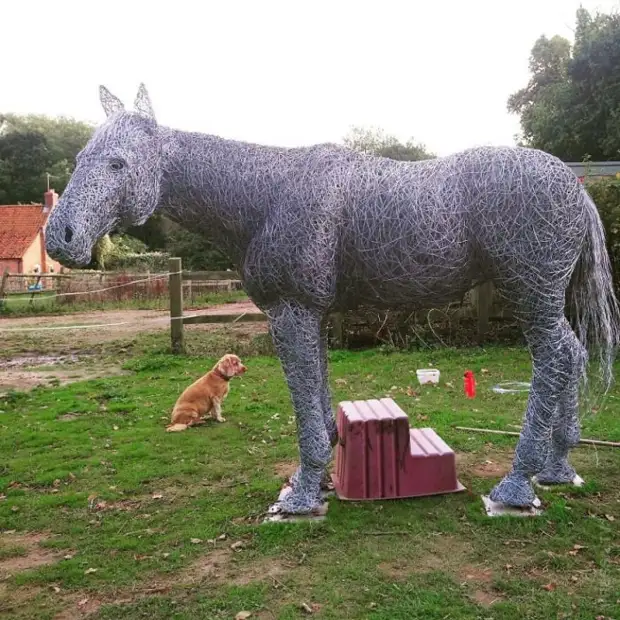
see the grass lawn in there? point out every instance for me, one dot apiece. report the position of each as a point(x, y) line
point(115, 519)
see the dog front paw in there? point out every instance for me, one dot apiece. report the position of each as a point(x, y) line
point(173, 428)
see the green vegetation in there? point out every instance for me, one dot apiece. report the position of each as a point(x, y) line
point(133, 522)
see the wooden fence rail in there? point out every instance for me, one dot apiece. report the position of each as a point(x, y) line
point(482, 298)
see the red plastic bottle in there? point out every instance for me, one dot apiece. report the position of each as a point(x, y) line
point(470, 384)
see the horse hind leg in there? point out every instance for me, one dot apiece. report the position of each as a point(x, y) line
point(566, 430)
point(551, 344)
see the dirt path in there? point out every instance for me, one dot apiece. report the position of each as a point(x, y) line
point(110, 324)
point(31, 357)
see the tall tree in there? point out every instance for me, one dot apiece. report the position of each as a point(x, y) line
point(33, 146)
point(571, 105)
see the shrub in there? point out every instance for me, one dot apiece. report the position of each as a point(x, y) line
point(606, 195)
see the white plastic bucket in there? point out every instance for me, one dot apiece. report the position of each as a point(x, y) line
point(428, 375)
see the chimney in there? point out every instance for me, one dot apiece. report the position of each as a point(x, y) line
point(51, 198)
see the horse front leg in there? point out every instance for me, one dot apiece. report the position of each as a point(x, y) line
point(296, 333)
point(328, 414)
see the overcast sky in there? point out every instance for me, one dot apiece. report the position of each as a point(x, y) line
point(285, 72)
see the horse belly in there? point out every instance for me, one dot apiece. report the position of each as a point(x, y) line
point(410, 277)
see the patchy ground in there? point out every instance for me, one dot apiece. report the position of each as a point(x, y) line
point(112, 518)
point(111, 324)
point(58, 356)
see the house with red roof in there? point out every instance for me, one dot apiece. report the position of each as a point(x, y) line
point(22, 237)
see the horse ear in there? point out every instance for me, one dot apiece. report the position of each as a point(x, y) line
point(143, 104)
point(110, 103)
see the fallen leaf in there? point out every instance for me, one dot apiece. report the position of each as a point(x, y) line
point(82, 602)
point(610, 517)
point(56, 483)
point(222, 537)
point(306, 608)
point(165, 555)
point(15, 508)
point(157, 496)
point(243, 615)
point(411, 392)
point(449, 385)
point(236, 546)
point(68, 556)
point(71, 476)
point(195, 541)
point(340, 382)
point(484, 371)
point(550, 587)
point(90, 571)
point(56, 589)
point(579, 547)
point(421, 417)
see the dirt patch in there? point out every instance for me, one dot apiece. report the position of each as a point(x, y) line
point(227, 566)
point(440, 553)
point(221, 564)
point(11, 599)
point(495, 466)
point(79, 607)
point(476, 573)
point(105, 327)
point(38, 360)
point(286, 469)
point(480, 578)
point(446, 554)
point(486, 599)
point(20, 379)
point(35, 555)
point(485, 463)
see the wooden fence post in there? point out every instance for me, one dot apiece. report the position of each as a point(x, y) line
point(338, 337)
point(484, 301)
point(3, 283)
point(175, 288)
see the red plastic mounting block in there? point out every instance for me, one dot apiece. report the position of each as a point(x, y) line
point(379, 457)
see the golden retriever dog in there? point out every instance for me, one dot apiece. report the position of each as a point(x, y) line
point(205, 396)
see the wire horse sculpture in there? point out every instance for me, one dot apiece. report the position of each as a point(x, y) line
point(322, 228)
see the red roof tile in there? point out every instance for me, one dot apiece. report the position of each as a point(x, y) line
point(19, 226)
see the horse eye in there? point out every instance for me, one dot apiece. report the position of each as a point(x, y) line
point(116, 165)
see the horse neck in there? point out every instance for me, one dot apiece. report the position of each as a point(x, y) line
point(218, 188)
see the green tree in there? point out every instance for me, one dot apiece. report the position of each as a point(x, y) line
point(22, 156)
point(33, 146)
point(376, 141)
point(571, 105)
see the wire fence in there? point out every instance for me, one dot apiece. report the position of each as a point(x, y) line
point(92, 288)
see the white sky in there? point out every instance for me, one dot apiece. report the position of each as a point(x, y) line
point(285, 72)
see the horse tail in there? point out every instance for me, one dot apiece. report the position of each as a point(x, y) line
point(595, 309)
